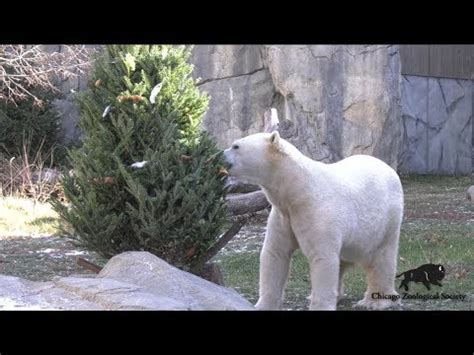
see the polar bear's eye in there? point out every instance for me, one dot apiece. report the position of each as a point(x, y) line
point(235, 146)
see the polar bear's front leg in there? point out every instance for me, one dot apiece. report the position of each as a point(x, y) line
point(320, 242)
point(275, 257)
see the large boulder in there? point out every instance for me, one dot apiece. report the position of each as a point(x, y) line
point(129, 281)
point(158, 277)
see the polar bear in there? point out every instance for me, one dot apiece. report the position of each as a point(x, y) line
point(339, 214)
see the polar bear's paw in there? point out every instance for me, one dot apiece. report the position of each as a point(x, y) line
point(377, 305)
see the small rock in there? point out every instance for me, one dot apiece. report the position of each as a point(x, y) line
point(470, 193)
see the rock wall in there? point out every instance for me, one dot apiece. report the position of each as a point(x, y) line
point(437, 118)
point(333, 100)
point(66, 106)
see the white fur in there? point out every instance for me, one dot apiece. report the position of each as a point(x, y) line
point(338, 214)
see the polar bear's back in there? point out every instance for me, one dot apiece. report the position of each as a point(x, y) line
point(369, 193)
point(368, 177)
point(361, 165)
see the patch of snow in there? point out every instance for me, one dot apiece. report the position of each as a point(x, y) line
point(76, 252)
point(139, 165)
point(46, 251)
point(35, 236)
point(7, 303)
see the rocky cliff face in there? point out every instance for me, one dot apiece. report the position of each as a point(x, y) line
point(333, 100)
point(437, 114)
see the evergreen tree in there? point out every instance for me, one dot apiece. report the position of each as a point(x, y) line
point(37, 127)
point(146, 177)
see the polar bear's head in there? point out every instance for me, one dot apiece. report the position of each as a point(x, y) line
point(254, 158)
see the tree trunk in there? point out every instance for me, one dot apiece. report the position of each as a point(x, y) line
point(212, 272)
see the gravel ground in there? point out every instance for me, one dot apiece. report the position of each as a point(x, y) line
point(43, 257)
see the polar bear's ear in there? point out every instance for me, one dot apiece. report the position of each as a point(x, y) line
point(275, 138)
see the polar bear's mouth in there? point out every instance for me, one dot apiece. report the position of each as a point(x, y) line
point(227, 167)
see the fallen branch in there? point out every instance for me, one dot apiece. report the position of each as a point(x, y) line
point(88, 265)
point(234, 185)
point(270, 120)
point(225, 238)
point(240, 204)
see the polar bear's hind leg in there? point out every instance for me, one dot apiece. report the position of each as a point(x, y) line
point(381, 273)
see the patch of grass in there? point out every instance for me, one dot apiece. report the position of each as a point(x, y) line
point(241, 271)
point(244, 277)
point(438, 227)
point(24, 217)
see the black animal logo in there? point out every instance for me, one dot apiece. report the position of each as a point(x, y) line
point(427, 274)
